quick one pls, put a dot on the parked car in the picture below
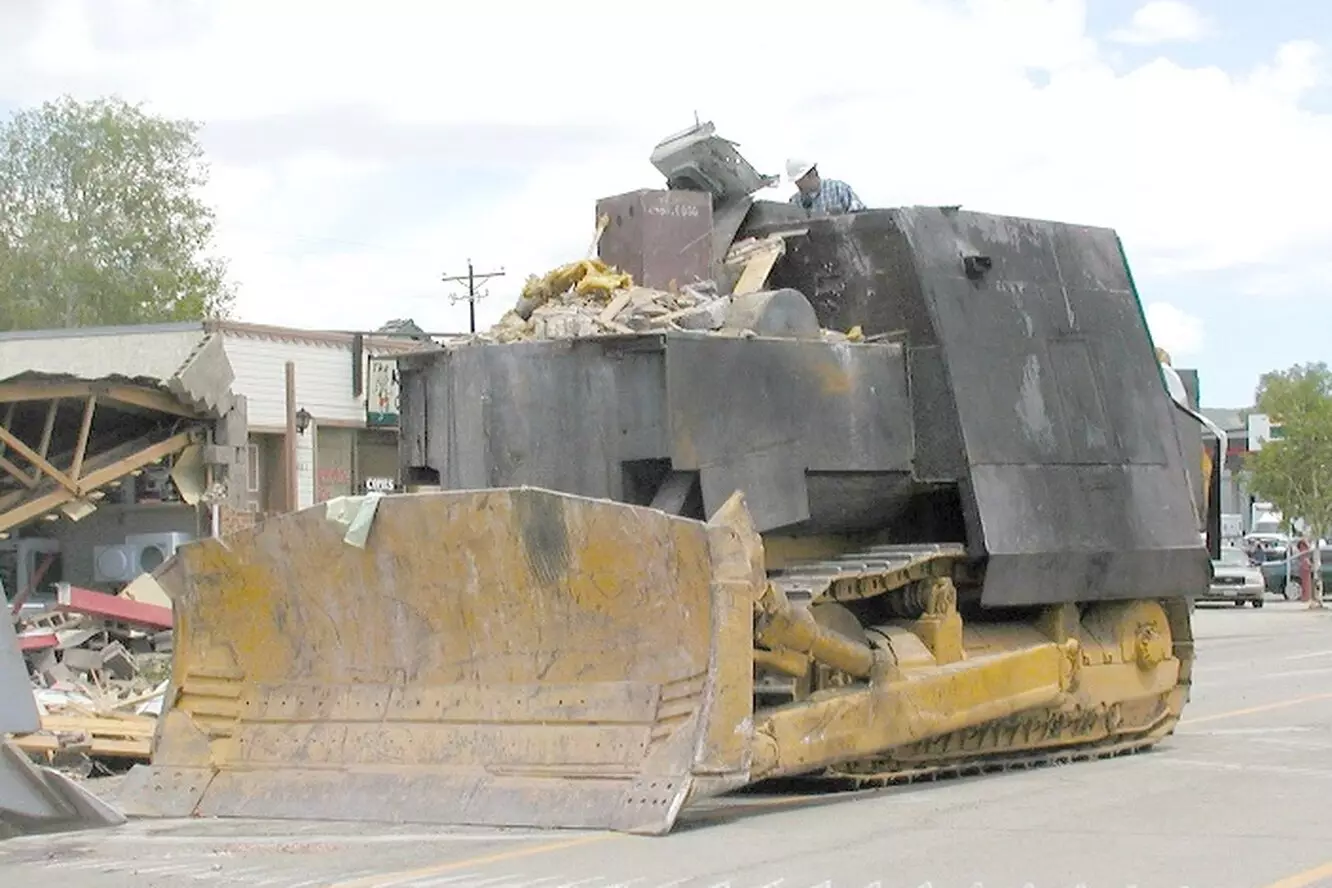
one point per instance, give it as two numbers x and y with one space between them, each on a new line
1282 575
1235 578
1264 547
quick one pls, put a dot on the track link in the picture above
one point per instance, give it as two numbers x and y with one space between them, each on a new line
1001 762
866 574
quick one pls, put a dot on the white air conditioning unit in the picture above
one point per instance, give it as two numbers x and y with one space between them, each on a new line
154 548
140 553
114 564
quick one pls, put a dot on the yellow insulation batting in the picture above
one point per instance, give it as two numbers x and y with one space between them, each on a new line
586 277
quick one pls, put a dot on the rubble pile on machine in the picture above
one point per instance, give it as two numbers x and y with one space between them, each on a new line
99 666
590 298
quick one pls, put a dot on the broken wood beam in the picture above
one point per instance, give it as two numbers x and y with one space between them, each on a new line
85 430
100 747
48 427
36 459
14 510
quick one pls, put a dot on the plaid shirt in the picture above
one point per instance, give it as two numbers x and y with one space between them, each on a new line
833 197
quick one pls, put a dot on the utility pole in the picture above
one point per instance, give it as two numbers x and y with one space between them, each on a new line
471 277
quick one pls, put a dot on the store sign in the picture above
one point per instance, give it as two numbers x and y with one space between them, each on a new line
381 396
380 485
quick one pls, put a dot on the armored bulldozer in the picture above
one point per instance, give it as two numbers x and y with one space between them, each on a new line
644 568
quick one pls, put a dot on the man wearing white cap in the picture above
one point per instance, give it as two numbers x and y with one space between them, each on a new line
819 196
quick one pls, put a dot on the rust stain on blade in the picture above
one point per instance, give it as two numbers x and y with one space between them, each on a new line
513 657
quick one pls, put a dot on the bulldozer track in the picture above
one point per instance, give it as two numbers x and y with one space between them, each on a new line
883 570
866 574
1001 763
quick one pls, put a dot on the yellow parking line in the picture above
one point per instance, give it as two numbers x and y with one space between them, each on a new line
1304 879
1254 710
384 879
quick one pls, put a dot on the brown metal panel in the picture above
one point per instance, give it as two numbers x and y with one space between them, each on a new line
659 237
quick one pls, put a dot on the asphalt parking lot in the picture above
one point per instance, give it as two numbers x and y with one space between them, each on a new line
1240 796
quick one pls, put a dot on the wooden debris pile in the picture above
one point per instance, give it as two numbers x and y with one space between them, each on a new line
99 666
630 310
589 298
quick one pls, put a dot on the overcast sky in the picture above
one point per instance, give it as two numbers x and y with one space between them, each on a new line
358 155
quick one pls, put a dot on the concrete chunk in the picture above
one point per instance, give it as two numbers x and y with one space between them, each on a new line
560 322
82 659
204 378
117 661
708 316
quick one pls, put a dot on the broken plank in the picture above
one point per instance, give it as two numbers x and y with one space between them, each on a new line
136 726
98 747
757 268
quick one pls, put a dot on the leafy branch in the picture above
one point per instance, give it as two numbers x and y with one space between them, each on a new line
1294 471
102 222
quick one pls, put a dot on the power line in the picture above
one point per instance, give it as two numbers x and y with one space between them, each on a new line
471 277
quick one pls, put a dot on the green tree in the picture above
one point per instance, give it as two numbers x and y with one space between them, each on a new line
100 222
1294 471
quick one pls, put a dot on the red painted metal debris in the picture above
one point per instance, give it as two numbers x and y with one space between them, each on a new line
37 641
74 599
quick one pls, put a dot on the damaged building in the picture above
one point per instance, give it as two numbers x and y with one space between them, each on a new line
108 447
119 444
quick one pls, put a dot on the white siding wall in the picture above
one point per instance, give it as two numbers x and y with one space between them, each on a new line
305 473
323 380
323 387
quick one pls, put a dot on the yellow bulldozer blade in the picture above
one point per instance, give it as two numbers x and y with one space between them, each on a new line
521 657
506 657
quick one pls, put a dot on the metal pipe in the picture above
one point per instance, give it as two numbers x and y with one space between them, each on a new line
781 626
788 662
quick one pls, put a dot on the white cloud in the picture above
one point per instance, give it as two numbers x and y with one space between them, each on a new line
1199 169
1176 331
1297 68
1283 288
1164 21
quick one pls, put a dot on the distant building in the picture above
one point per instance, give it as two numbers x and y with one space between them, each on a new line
1236 498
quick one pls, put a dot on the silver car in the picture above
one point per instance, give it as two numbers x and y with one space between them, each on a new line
1235 578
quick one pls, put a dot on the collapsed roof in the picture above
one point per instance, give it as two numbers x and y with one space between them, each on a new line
81 409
